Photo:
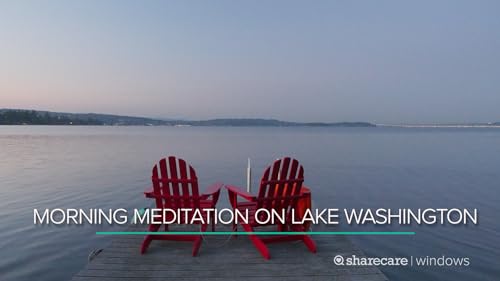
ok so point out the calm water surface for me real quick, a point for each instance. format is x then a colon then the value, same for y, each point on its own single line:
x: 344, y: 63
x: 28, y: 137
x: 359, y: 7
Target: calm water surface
x: 109, y: 167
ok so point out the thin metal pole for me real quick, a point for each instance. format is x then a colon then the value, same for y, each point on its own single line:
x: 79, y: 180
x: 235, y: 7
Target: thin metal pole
x: 249, y: 177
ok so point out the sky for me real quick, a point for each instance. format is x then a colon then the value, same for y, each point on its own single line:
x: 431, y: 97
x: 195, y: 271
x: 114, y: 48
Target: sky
x: 331, y: 61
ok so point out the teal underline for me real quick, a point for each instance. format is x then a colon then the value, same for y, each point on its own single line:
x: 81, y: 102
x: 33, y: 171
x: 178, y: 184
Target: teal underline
x: 256, y: 233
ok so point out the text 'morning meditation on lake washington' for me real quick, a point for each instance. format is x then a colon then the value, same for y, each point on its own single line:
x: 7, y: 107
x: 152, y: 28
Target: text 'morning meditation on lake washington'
x: 429, y: 216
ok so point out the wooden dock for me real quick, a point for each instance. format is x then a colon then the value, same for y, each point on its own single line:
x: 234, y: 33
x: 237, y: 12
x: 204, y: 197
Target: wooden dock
x: 225, y: 258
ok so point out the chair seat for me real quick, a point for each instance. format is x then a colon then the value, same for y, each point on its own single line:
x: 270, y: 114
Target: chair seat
x: 252, y: 209
x: 204, y: 204
x: 207, y: 203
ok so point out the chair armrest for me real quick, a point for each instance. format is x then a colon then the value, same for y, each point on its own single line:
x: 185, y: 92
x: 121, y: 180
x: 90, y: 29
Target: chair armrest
x: 149, y: 193
x: 212, y: 191
x: 214, y: 188
x: 305, y: 190
x: 241, y: 192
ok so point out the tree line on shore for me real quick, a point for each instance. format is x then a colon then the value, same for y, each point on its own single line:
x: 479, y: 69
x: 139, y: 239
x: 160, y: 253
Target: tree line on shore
x: 33, y: 117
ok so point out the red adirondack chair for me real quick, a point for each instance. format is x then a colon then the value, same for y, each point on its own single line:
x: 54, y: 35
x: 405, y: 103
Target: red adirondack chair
x: 175, y: 186
x: 280, y: 189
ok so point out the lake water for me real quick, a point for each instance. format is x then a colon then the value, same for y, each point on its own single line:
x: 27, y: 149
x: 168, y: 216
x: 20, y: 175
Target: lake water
x: 109, y: 167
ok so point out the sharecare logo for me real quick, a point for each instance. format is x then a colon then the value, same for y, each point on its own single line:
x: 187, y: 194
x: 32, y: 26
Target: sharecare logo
x: 442, y: 261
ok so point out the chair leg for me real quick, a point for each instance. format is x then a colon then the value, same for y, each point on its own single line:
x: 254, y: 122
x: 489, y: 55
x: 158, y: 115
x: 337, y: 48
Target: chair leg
x: 310, y: 244
x: 235, y: 229
x: 282, y: 227
x: 213, y: 223
x: 258, y: 243
x: 145, y: 244
x: 198, y: 240
x: 147, y: 240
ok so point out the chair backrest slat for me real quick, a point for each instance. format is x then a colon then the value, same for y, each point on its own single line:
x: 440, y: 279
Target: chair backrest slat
x: 157, y: 187
x: 263, y: 188
x: 272, y: 188
x: 185, y: 185
x: 280, y: 186
x: 194, y: 187
x: 172, y: 164
x: 165, y: 186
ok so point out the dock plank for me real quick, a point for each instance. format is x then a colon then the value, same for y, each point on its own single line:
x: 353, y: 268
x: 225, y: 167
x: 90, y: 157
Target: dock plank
x: 223, y: 258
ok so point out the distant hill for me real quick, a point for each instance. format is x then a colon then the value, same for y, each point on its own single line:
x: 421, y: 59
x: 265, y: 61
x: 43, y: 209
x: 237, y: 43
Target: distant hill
x: 37, y: 117
x: 244, y: 122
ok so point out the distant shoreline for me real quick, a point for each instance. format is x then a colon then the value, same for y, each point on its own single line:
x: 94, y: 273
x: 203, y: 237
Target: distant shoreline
x: 37, y: 117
